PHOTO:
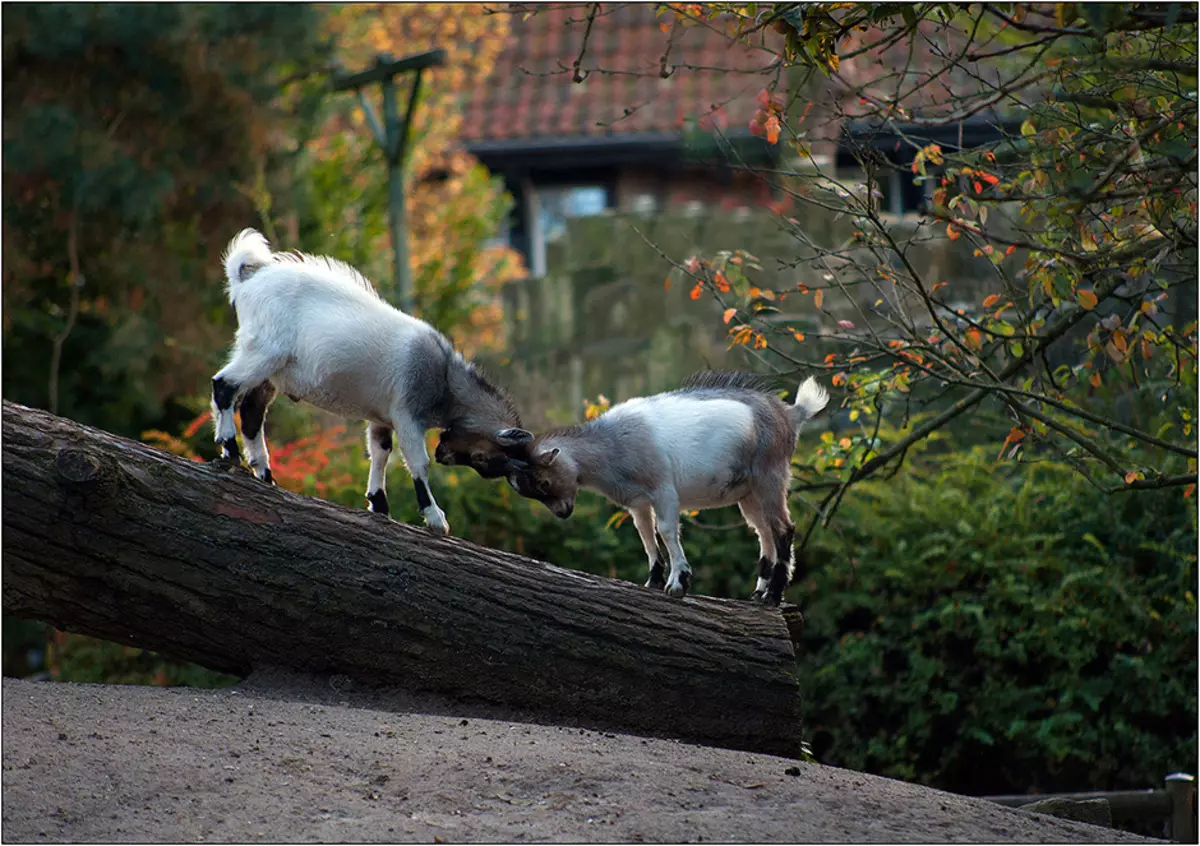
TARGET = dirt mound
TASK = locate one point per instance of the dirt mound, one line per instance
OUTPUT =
(288, 759)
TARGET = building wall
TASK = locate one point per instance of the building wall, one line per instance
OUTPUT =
(604, 319)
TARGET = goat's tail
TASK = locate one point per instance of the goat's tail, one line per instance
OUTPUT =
(246, 254)
(810, 398)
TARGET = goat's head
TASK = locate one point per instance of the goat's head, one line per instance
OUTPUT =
(490, 454)
(548, 476)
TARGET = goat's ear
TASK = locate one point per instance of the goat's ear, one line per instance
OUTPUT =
(512, 437)
(546, 458)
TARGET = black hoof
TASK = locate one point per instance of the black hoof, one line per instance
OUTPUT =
(226, 463)
(658, 579)
(378, 503)
(758, 596)
(772, 601)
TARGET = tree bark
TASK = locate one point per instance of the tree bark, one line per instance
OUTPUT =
(112, 538)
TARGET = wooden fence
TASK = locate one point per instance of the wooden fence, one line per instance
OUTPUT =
(1175, 805)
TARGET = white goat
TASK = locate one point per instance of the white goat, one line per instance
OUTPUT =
(718, 440)
(315, 329)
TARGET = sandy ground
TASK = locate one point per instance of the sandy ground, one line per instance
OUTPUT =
(293, 759)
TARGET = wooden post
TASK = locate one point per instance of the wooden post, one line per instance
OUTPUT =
(1181, 827)
(392, 136)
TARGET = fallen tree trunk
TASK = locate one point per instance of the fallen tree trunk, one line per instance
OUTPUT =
(109, 537)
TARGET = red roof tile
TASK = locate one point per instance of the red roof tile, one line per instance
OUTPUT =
(531, 92)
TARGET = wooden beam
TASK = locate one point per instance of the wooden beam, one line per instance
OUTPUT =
(385, 69)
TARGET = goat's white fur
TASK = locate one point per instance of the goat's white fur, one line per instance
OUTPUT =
(318, 331)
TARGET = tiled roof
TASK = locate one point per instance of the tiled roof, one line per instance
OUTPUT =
(531, 93)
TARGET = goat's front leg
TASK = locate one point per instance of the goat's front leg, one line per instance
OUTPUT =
(379, 449)
(643, 520)
(666, 513)
(412, 446)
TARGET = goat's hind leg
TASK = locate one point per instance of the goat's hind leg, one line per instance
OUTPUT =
(783, 531)
(643, 520)
(379, 449)
(752, 511)
(254, 435)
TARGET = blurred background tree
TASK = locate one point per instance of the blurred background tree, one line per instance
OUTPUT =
(127, 128)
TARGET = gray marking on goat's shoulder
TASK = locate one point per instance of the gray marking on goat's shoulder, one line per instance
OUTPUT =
(424, 388)
(475, 397)
(622, 453)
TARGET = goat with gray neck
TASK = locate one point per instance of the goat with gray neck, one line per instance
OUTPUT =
(315, 329)
(719, 440)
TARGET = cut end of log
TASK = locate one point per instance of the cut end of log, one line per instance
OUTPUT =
(793, 618)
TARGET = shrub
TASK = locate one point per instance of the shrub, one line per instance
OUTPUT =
(986, 628)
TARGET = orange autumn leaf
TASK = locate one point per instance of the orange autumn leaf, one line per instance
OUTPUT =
(1188, 491)
(1087, 299)
(1095, 380)
(695, 292)
(1015, 435)
(818, 297)
(987, 177)
(772, 126)
(838, 380)
(952, 232)
(1132, 476)
(991, 301)
(974, 339)
(799, 336)
(728, 316)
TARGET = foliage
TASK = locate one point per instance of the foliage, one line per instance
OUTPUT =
(1026, 620)
(78, 658)
(454, 207)
(1083, 218)
(127, 128)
